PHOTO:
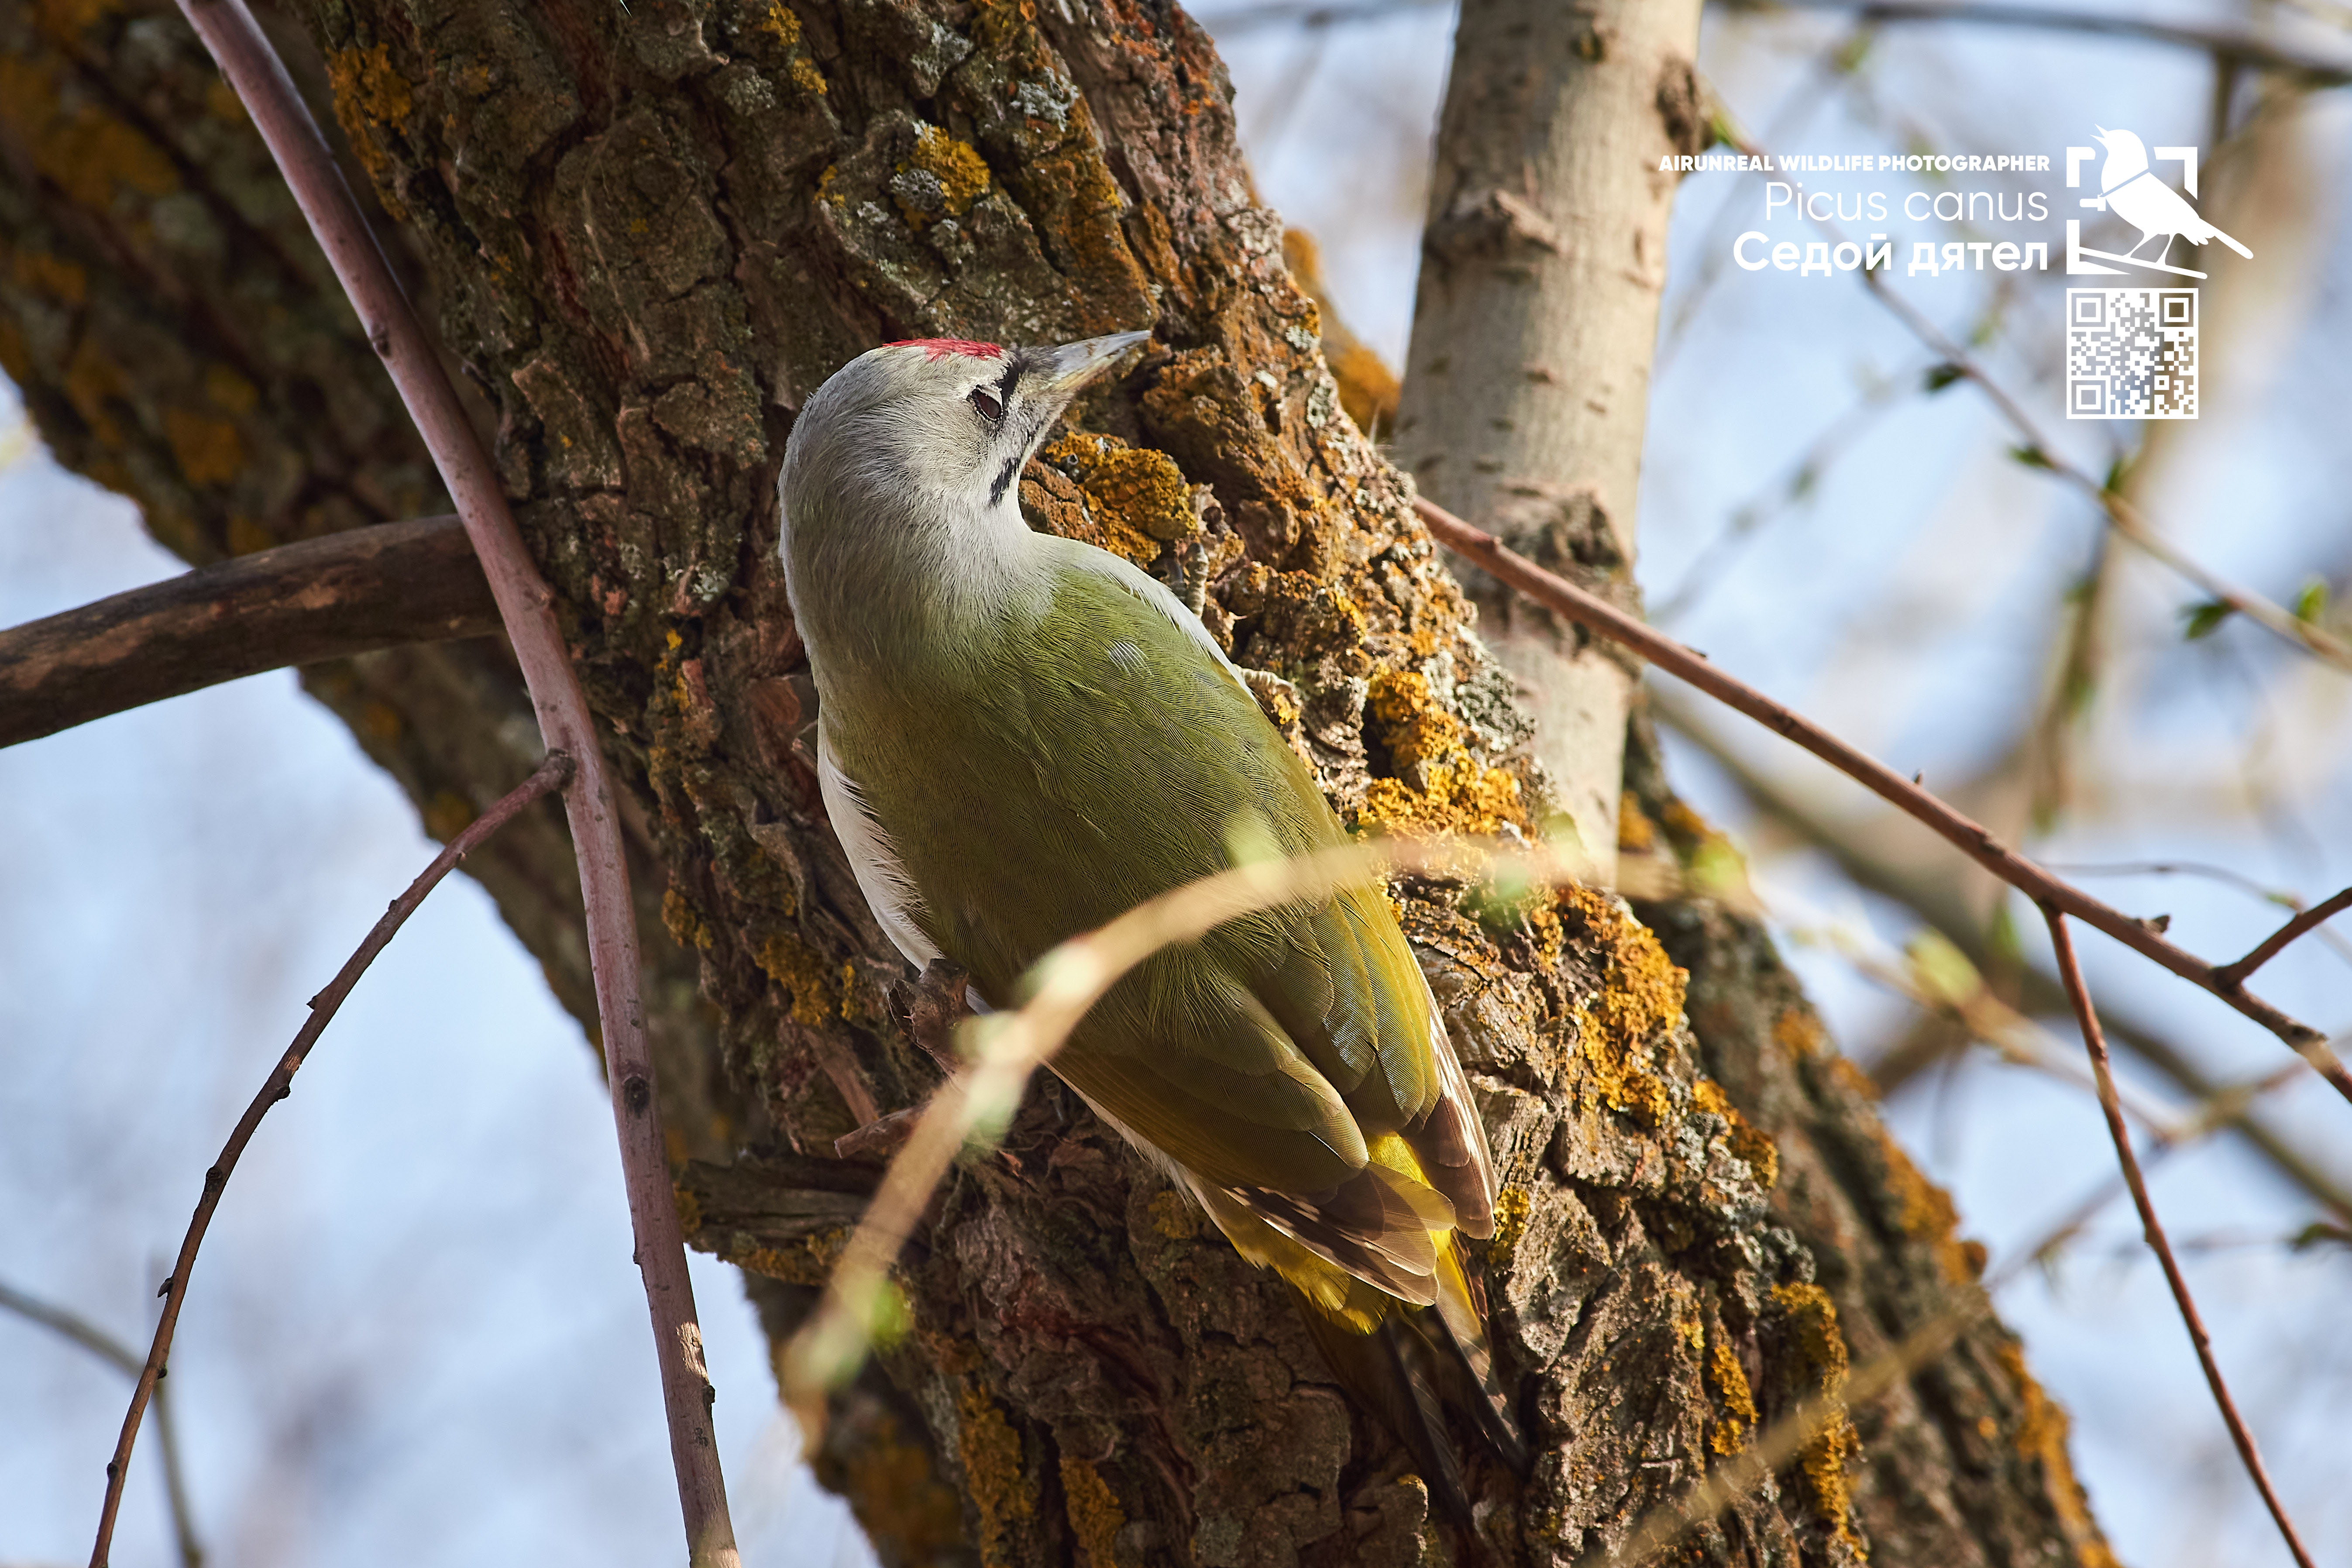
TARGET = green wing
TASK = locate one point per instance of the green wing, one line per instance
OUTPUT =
(1261, 1058)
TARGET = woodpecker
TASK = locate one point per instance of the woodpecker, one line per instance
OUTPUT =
(1019, 738)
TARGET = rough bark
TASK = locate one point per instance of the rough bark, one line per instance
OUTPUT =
(650, 231)
(1527, 387)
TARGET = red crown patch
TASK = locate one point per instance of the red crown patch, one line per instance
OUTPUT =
(939, 348)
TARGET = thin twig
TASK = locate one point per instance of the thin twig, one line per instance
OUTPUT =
(73, 1326)
(2268, 947)
(1006, 1047)
(2226, 43)
(365, 588)
(1973, 840)
(550, 775)
(1939, 909)
(2095, 1044)
(259, 79)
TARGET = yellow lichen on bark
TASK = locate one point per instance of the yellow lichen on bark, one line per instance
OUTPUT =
(1095, 1518)
(371, 98)
(962, 173)
(806, 978)
(993, 1475)
(1641, 995)
(889, 1483)
(1441, 788)
(2040, 1436)
(1732, 1391)
(1813, 1320)
(686, 927)
(1748, 1141)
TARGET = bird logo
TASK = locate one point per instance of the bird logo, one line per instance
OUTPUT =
(2132, 190)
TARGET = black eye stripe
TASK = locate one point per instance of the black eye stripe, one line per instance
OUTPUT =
(1004, 385)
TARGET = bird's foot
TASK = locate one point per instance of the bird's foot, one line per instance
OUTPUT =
(930, 1008)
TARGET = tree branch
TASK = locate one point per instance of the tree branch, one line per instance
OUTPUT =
(349, 592)
(2095, 1044)
(550, 775)
(2234, 975)
(2040, 992)
(259, 79)
(1973, 840)
(2236, 47)
(73, 1326)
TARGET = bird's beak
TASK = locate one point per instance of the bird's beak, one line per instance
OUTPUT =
(1062, 373)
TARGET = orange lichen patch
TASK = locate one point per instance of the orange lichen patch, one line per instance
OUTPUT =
(207, 449)
(1729, 1380)
(1641, 995)
(962, 173)
(1096, 1517)
(905, 1512)
(1139, 488)
(1799, 1032)
(1752, 1144)
(806, 978)
(1637, 835)
(992, 1473)
(687, 927)
(1443, 789)
(448, 814)
(1811, 1318)
(1470, 801)
(780, 23)
(1410, 723)
(1926, 1213)
(37, 272)
(2042, 1437)
(1511, 1208)
(372, 103)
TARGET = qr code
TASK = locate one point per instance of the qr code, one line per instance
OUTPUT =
(2131, 353)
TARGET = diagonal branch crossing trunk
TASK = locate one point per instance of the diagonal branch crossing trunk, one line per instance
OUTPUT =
(648, 233)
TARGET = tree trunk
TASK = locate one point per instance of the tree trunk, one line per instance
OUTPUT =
(650, 232)
(1527, 384)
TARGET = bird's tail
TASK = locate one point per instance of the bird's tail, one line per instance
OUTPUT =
(2234, 244)
(1417, 1365)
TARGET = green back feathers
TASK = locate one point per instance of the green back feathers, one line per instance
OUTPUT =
(1067, 761)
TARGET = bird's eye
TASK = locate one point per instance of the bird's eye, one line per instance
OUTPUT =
(985, 401)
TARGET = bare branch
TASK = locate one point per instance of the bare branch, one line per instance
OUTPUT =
(349, 592)
(1972, 839)
(2095, 1044)
(525, 607)
(2234, 975)
(2041, 992)
(73, 1326)
(2229, 44)
(549, 776)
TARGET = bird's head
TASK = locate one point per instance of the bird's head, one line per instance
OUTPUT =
(939, 424)
(902, 470)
